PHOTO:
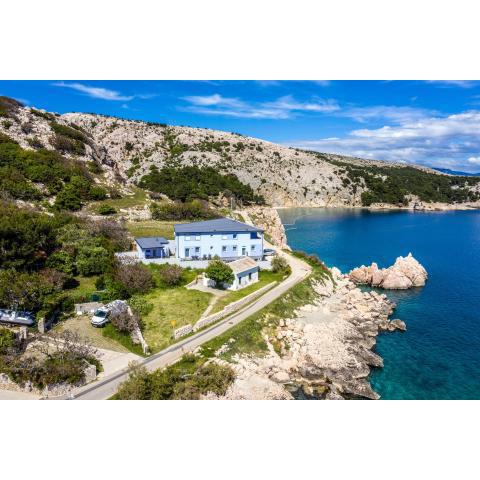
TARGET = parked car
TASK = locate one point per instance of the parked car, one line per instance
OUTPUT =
(269, 251)
(100, 317)
(103, 314)
(14, 317)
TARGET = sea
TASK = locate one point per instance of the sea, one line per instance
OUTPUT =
(438, 357)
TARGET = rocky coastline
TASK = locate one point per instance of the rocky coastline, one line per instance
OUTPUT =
(325, 351)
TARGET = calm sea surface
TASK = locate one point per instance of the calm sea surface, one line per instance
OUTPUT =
(439, 355)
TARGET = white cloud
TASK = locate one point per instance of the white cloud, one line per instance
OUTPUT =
(454, 83)
(474, 160)
(282, 108)
(102, 93)
(449, 141)
(386, 112)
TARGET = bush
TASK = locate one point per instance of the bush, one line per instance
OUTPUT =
(193, 210)
(68, 199)
(135, 277)
(8, 341)
(171, 275)
(93, 261)
(62, 261)
(188, 379)
(27, 238)
(279, 264)
(220, 273)
(139, 305)
(106, 209)
(125, 323)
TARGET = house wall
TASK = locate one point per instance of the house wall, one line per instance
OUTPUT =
(241, 280)
(225, 245)
(157, 252)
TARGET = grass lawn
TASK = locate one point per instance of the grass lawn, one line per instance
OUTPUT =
(139, 197)
(84, 289)
(265, 277)
(151, 228)
(177, 305)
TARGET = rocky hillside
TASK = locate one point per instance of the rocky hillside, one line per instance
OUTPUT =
(126, 150)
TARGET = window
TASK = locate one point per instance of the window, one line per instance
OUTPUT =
(234, 248)
(253, 247)
(224, 237)
(224, 249)
(197, 237)
(187, 237)
(197, 249)
(235, 236)
(187, 252)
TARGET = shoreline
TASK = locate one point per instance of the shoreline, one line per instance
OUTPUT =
(427, 208)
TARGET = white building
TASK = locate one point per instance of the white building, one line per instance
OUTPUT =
(245, 271)
(222, 237)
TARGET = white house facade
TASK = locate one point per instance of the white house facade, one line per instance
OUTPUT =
(245, 271)
(222, 237)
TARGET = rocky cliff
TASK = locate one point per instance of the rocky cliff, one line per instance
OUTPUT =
(286, 177)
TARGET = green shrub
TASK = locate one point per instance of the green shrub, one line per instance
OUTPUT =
(106, 209)
(93, 261)
(220, 272)
(279, 264)
(188, 379)
(194, 210)
(68, 199)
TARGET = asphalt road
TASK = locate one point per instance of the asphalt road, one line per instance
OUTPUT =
(108, 386)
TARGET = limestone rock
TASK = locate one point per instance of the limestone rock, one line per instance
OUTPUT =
(405, 273)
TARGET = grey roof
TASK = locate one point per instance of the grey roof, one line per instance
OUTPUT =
(224, 225)
(151, 242)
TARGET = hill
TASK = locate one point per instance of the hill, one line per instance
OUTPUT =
(118, 153)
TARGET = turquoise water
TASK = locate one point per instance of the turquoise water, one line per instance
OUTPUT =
(438, 357)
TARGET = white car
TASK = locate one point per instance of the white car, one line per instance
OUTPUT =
(100, 317)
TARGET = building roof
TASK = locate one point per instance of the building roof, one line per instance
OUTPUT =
(151, 242)
(242, 264)
(218, 225)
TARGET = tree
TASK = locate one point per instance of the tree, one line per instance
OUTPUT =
(219, 272)
(26, 237)
(135, 277)
(171, 274)
(68, 199)
(62, 261)
(279, 264)
(92, 260)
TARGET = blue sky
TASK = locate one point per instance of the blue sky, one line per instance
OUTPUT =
(430, 123)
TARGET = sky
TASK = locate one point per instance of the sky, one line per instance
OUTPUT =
(432, 123)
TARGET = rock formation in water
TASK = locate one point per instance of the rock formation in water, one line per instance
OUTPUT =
(405, 273)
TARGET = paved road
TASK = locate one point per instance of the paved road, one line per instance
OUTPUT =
(107, 387)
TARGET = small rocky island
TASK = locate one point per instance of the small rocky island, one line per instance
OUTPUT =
(405, 273)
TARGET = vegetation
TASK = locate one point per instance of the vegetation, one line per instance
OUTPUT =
(22, 170)
(171, 275)
(106, 209)
(9, 107)
(189, 183)
(279, 264)
(392, 184)
(187, 379)
(194, 210)
(61, 359)
(68, 139)
(149, 228)
(220, 272)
